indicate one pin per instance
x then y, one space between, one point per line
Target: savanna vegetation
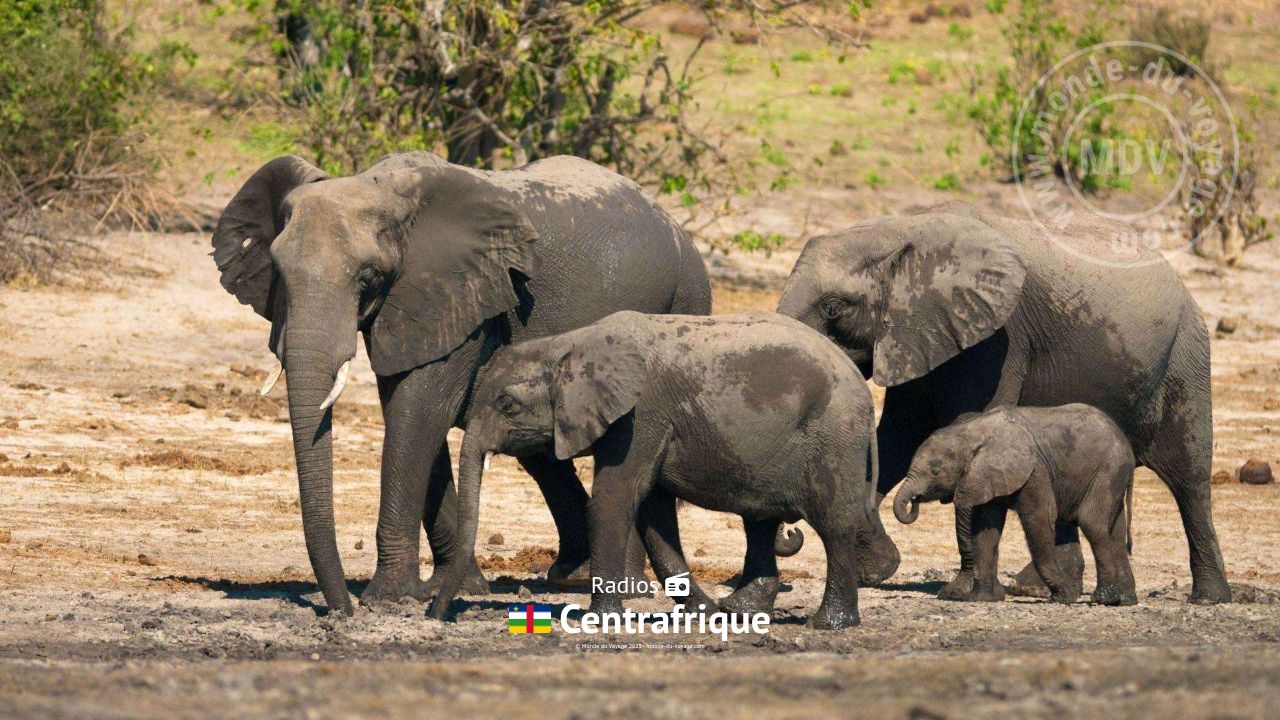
110 110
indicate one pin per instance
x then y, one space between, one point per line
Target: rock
6 536
960 10
1221 477
192 396
917 18
360 544
1228 324
147 560
4 458
496 539
1255 472
524 593
699 553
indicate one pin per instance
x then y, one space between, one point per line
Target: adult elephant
436 265
957 310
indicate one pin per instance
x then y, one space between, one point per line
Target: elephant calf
1068 465
754 414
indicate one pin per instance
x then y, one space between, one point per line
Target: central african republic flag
531 618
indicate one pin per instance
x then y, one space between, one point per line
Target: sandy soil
152 564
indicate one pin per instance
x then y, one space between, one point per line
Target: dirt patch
184 460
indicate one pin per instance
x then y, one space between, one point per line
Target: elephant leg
1108 537
660 531
1185 467
988 525
1027 582
961 585
417 488
626 468
1039 515
839 607
567 500
758 586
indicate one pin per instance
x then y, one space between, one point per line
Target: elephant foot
959 588
382 590
993 593
828 618
756 596
1027 582
878 560
1063 596
1210 593
606 604
570 575
1112 595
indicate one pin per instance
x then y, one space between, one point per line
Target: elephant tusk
487 457
339 383
272 378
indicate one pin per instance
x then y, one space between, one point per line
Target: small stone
1221 477
360 544
6 536
69 616
147 560
315 656
1256 472
699 553
496 539
1228 324
50 617
151 624
523 593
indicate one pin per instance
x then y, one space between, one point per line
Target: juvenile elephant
753 414
958 310
436 265
1058 468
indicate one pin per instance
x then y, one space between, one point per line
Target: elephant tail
788 542
1128 511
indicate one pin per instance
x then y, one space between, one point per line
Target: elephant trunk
471 465
787 543
313 360
907 495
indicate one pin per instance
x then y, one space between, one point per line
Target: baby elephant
754 414
1060 466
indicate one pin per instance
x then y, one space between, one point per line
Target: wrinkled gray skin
437 265
1059 468
753 414
958 310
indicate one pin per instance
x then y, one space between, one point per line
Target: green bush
62 79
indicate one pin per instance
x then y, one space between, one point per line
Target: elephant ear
1000 465
953 281
248 226
596 382
466 249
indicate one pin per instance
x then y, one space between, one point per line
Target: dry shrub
1223 209
1187 35
69 136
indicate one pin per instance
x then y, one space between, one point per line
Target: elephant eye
507 405
934 470
833 308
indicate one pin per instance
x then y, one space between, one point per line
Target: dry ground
152 564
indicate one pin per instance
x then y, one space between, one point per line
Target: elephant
436 266
752 413
1067 466
957 309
